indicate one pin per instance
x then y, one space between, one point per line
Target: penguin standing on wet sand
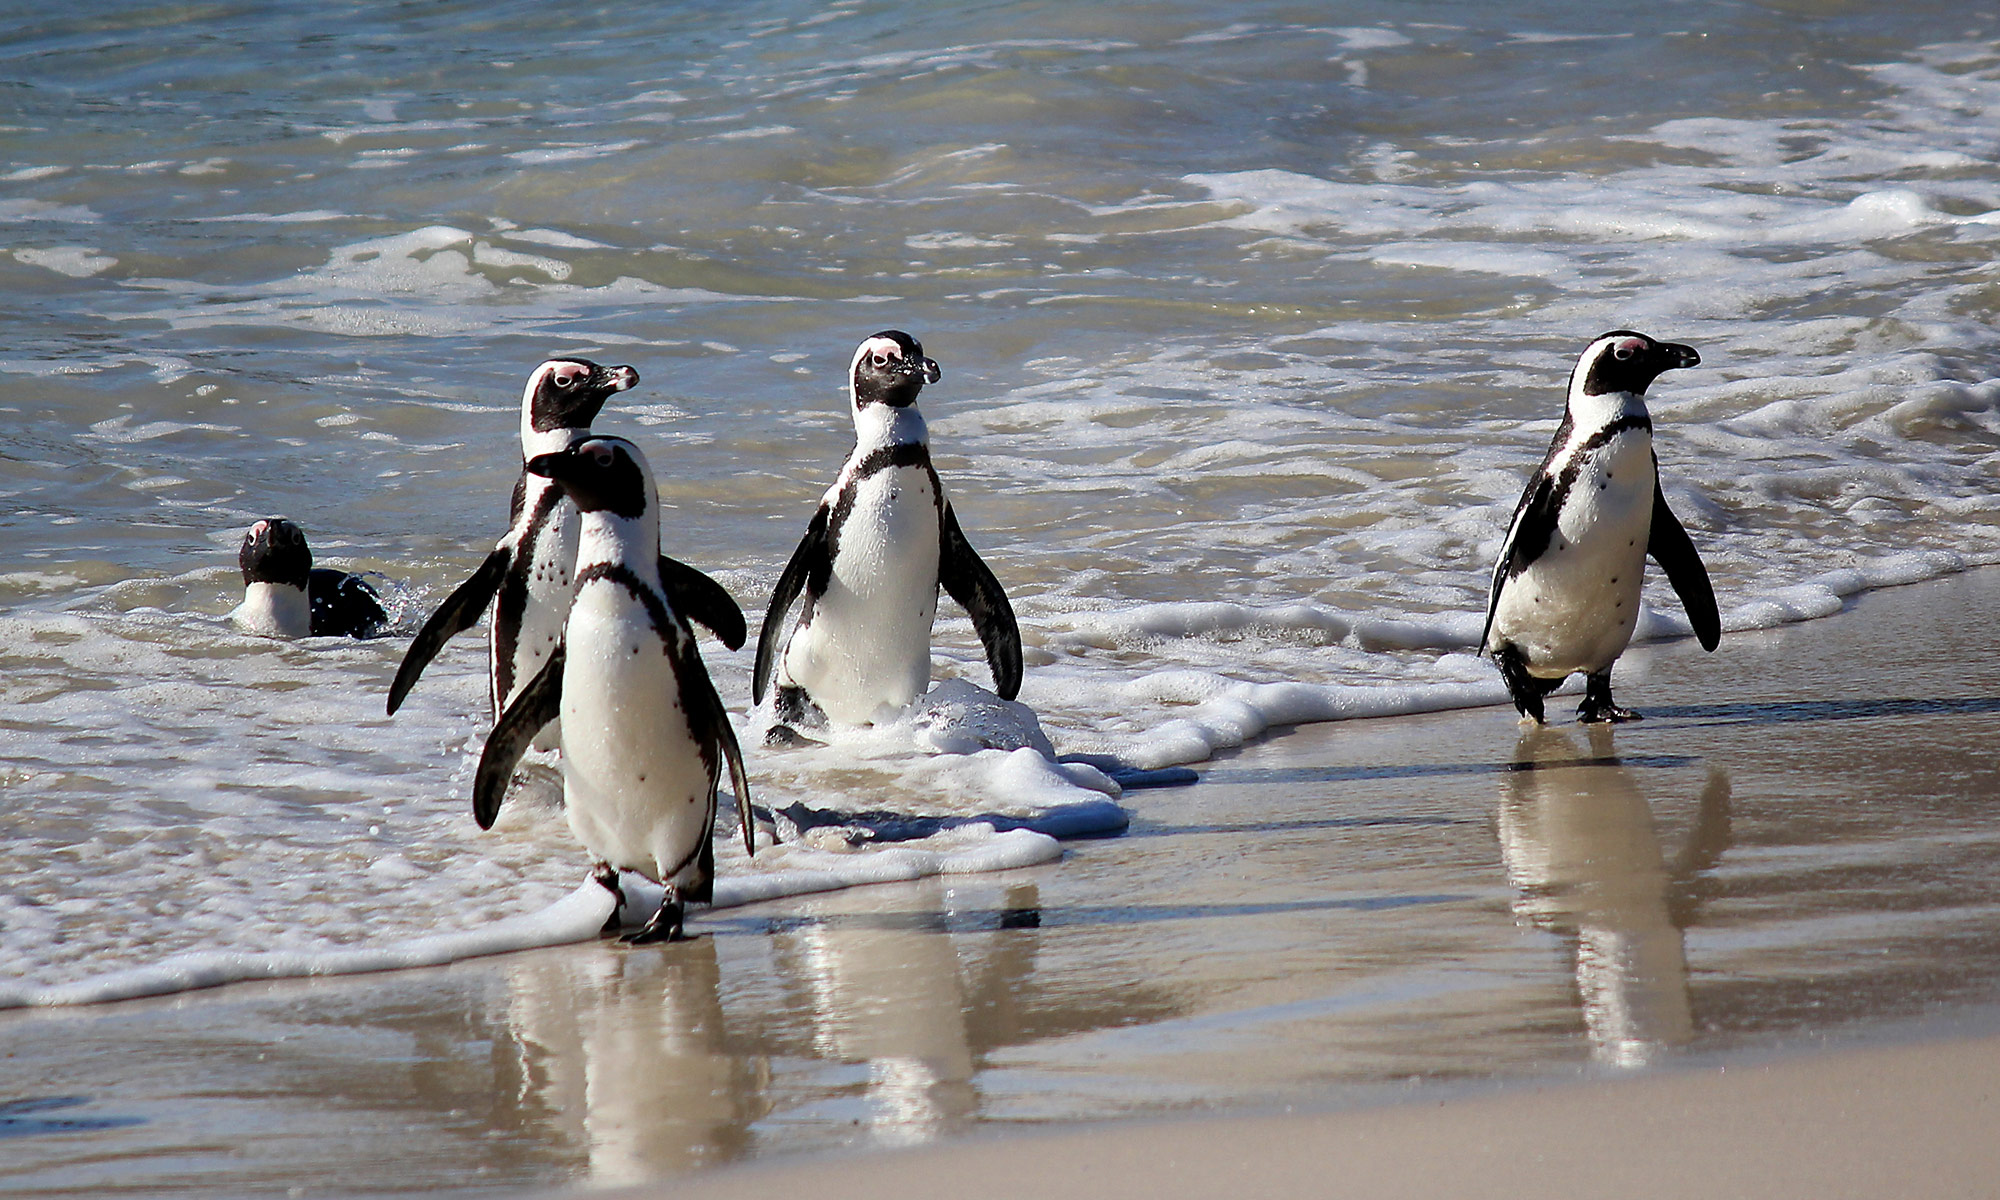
1565 594
526 579
284 595
882 542
644 733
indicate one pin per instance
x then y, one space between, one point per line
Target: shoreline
1219 724
1443 942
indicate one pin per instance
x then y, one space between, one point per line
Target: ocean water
1253 319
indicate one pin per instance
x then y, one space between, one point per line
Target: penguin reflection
1580 847
892 991
625 1057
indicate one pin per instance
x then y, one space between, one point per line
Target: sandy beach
1910 1120
1819 1075
1744 946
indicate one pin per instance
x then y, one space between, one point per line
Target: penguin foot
1524 689
1597 707
793 706
665 925
784 737
607 878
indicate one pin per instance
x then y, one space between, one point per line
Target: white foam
21 210
577 917
266 832
77 262
556 238
573 153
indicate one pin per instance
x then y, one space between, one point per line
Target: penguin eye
1627 348
879 359
603 456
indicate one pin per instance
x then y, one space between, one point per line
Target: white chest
1575 607
866 644
274 610
637 776
888 542
1610 500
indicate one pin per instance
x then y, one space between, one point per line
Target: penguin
284 595
882 542
526 578
644 733
1565 593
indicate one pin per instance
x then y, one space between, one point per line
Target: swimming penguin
284 595
873 557
527 576
644 733
1565 593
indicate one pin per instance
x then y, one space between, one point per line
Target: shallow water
1381 911
1252 322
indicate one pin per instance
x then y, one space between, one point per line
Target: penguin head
568 393
275 551
890 368
1624 361
599 473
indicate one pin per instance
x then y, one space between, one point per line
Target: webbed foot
665 925
1597 707
608 879
1524 689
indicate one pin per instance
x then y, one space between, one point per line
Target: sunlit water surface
1257 304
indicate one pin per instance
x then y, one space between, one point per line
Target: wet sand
1413 956
1911 1120
1887 709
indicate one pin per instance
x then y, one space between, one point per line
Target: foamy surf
577 917
962 782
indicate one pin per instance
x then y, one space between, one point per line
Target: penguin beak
917 369
1674 355
615 379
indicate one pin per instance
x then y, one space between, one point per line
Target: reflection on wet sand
896 995
1580 846
626 1059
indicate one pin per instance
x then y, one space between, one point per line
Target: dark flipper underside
460 611
533 707
967 580
1670 546
703 601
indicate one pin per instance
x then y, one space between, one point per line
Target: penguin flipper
703 600
1670 546
806 572
533 707
1527 539
342 604
709 717
459 612
966 578
739 782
